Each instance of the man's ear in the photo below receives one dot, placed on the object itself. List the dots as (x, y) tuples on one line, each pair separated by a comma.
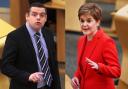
[(46, 18), (26, 15)]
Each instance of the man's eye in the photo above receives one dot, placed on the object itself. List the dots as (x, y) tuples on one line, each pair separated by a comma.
[(34, 14), (42, 15)]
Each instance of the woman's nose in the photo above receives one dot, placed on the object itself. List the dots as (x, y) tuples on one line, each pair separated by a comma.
[(84, 23)]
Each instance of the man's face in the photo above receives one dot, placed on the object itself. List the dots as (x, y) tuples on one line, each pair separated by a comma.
[(36, 18)]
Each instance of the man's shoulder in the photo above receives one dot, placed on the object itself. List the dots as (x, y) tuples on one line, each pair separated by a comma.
[(18, 31), (47, 31)]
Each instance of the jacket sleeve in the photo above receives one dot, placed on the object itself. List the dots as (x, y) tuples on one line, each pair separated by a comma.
[(78, 73), (111, 67), (9, 59)]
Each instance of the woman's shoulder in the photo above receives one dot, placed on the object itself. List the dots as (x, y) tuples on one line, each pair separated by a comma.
[(104, 35), (105, 38), (81, 39)]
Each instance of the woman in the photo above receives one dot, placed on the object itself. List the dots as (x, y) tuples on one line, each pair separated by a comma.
[(97, 54)]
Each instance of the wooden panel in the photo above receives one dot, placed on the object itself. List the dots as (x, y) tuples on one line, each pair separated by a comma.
[(122, 85), (15, 12), (4, 82), (60, 29), (59, 2), (67, 82), (104, 1), (121, 23), (60, 35), (71, 20), (52, 5), (18, 9), (120, 3)]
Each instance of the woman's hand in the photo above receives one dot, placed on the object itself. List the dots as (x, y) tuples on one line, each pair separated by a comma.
[(92, 64), (75, 83)]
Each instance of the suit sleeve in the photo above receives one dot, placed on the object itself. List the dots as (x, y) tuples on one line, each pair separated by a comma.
[(111, 67), (9, 59)]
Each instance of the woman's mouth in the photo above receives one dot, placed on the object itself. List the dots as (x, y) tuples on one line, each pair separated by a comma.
[(85, 29)]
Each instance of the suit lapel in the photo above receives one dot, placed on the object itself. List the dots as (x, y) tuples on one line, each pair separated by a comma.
[(28, 41), (45, 37)]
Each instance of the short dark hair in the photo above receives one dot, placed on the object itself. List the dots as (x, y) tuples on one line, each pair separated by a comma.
[(92, 9), (36, 4)]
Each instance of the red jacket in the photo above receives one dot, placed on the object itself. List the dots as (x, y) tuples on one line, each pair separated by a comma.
[(101, 50)]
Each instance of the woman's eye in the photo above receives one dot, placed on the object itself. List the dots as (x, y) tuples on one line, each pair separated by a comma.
[(89, 20), (82, 21)]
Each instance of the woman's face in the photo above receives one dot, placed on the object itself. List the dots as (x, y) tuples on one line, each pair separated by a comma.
[(89, 25)]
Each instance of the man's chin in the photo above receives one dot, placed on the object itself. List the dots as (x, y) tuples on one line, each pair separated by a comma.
[(37, 29)]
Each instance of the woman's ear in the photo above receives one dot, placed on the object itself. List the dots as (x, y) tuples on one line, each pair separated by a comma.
[(98, 23)]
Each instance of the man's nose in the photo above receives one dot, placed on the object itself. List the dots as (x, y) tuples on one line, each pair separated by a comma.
[(38, 17)]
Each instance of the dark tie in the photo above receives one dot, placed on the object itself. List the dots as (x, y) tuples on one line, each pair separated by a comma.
[(43, 61)]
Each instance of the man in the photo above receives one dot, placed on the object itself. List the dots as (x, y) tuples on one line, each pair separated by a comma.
[(29, 56)]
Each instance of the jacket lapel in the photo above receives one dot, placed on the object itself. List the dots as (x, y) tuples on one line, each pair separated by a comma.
[(81, 47), (45, 37), (28, 42), (83, 43), (94, 43)]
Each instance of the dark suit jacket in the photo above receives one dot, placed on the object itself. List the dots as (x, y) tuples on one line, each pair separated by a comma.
[(19, 59)]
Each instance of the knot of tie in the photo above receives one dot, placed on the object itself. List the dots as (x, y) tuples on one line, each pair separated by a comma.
[(37, 34)]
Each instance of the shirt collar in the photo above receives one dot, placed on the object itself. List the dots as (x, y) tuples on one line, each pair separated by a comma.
[(30, 30)]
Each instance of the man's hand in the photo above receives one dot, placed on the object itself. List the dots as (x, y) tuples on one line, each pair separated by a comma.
[(75, 83), (92, 64), (36, 77)]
